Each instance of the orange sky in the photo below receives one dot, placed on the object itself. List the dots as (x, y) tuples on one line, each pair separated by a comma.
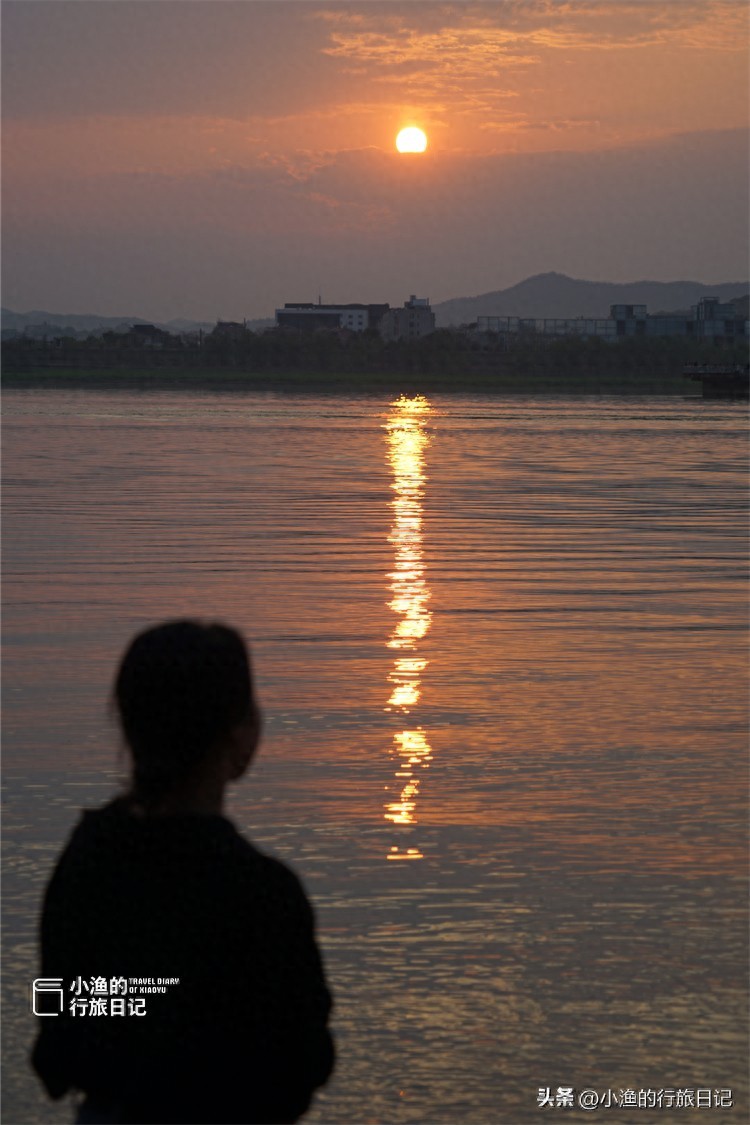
[(263, 132)]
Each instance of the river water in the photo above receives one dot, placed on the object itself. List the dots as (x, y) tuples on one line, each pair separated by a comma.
[(500, 645)]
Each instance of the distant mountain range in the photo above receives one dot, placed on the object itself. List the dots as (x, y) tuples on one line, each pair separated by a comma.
[(96, 325), (544, 295), (555, 295), (78, 322)]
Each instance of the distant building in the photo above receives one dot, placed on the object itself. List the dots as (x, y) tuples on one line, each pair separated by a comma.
[(630, 320), (707, 320), (309, 317), (415, 319), (147, 336), (715, 319), (604, 327), (229, 330)]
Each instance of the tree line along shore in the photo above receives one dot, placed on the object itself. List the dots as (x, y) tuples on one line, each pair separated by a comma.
[(445, 361)]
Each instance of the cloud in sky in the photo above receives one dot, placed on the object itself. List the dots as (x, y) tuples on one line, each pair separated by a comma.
[(194, 159), (629, 59), (484, 32)]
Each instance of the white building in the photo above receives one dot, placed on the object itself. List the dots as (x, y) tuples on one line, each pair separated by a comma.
[(308, 317)]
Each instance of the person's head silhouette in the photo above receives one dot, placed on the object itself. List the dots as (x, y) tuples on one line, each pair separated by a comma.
[(184, 697)]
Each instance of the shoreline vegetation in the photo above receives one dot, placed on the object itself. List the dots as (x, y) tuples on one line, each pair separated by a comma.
[(445, 362)]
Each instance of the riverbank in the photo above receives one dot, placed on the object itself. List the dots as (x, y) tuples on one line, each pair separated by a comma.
[(323, 363), (380, 383)]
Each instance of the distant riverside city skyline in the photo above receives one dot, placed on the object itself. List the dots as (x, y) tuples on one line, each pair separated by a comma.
[(219, 160), (547, 295)]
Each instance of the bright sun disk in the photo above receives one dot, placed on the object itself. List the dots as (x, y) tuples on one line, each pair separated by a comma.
[(411, 139)]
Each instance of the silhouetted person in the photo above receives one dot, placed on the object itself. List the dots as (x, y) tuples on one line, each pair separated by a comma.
[(159, 884)]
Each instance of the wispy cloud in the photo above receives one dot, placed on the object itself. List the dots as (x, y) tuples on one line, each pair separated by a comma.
[(426, 50), (473, 37), (559, 125), (460, 50), (466, 61)]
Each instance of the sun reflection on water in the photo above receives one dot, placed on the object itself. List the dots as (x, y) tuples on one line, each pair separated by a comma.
[(407, 441)]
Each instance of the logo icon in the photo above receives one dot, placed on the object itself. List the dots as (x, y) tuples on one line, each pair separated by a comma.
[(47, 996)]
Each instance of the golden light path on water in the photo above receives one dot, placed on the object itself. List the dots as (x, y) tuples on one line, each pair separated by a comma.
[(407, 442)]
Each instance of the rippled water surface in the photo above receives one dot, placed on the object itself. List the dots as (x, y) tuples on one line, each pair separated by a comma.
[(501, 642)]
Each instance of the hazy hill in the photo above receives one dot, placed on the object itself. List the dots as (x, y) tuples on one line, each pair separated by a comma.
[(98, 324), (555, 295), (79, 322)]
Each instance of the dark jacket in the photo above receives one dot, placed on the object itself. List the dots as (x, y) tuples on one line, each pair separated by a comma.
[(242, 1038)]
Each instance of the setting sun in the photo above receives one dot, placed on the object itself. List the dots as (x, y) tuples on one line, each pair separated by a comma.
[(411, 140)]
